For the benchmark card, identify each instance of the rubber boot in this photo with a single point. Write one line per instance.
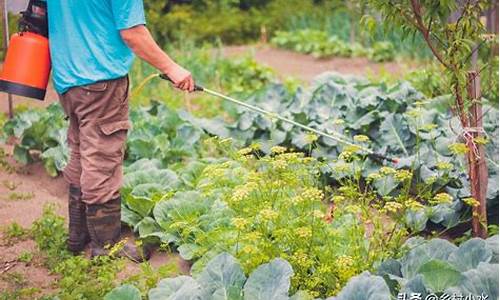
(104, 224)
(78, 236)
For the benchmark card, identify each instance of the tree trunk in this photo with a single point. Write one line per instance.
(478, 170)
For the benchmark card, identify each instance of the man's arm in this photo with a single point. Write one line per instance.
(139, 39)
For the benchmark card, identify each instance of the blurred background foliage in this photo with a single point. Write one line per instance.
(248, 21)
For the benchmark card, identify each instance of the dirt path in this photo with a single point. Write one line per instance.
(305, 67)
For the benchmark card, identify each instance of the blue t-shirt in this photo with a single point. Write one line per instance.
(85, 41)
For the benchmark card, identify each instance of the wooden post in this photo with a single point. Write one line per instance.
(478, 170)
(6, 37)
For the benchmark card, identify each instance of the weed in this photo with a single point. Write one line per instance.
(4, 164)
(81, 278)
(21, 293)
(20, 196)
(14, 232)
(15, 279)
(492, 229)
(25, 257)
(50, 236)
(10, 185)
(149, 277)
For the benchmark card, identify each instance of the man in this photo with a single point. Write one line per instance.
(92, 45)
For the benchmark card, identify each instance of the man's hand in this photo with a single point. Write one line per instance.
(139, 39)
(181, 78)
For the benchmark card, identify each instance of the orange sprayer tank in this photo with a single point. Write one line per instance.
(27, 66)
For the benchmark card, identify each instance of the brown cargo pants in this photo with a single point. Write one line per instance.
(98, 125)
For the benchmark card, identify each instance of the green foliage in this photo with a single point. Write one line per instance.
(14, 232)
(241, 76)
(245, 206)
(381, 52)
(25, 257)
(149, 276)
(433, 266)
(437, 266)
(12, 29)
(321, 44)
(80, 278)
(49, 232)
(428, 81)
(365, 286)
(124, 292)
(310, 41)
(244, 76)
(395, 119)
(228, 21)
(452, 32)
(222, 278)
(42, 131)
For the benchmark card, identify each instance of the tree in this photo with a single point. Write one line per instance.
(453, 32)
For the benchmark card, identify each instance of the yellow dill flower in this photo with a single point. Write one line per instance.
(279, 164)
(472, 202)
(117, 247)
(481, 140)
(239, 223)
(255, 146)
(431, 179)
(413, 205)
(245, 151)
(297, 200)
(414, 113)
(278, 149)
(361, 138)
(318, 214)
(392, 207)
(338, 199)
(304, 232)
(338, 122)
(387, 171)
(248, 249)
(311, 138)
(429, 127)
(442, 165)
(312, 194)
(373, 176)
(341, 167)
(353, 209)
(268, 214)
(403, 175)
(458, 148)
(345, 267)
(442, 198)
(352, 148)
(240, 193)
(252, 236)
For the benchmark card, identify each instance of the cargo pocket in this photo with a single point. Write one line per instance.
(100, 86)
(113, 137)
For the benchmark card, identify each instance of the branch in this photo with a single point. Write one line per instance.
(415, 4)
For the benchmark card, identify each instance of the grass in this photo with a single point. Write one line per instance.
(10, 185)
(20, 196)
(13, 233)
(25, 257)
(4, 164)
(77, 276)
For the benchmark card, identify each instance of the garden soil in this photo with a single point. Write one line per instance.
(25, 191)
